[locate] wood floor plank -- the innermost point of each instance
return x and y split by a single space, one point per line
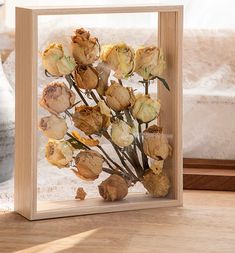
206 223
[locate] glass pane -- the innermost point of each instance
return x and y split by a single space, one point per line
98 120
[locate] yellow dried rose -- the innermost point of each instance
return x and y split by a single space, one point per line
57 98
53 127
145 109
113 188
156 185
149 62
121 133
89 165
86 77
120 58
55 62
59 153
118 97
104 73
85 48
90 119
155 143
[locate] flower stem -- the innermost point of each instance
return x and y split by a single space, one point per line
120 82
144 157
146 85
107 136
72 83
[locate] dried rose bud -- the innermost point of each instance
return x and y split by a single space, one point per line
113 188
57 98
155 143
156 185
55 62
59 153
149 62
120 58
89 165
104 73
157 166
145 109
81 194
53 127
90 119
85 48
86 77
121 133
118 97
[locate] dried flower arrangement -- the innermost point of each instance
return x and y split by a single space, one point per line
120 116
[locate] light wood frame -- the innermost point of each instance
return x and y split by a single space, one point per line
170 22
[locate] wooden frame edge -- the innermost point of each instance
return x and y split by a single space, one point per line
30 191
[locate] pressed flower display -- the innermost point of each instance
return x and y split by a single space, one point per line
107 119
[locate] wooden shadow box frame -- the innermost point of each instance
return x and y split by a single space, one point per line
170 22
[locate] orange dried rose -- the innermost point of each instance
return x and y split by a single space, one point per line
86 77
85 49
113 188
90 119
89 165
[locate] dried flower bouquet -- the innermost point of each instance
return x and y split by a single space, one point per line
96 75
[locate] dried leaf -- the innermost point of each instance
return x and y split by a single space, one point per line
85 141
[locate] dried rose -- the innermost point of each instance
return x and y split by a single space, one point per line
113 188
81 194
57 98
118 97
53 127
85 48
149 62
55 62
89 165
157 166
86 77
59 153
104 109
90 119
121 133
120 58
145 109
156 185
155 143
104 73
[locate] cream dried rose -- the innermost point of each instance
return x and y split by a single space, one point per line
121 133
57 98
120 58
55 62
85 48
118 97
90 119
155 143
113 188
89 165
156 185
53 127
145 109
149 62
86 77
59 153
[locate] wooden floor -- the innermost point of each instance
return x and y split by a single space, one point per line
206 223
